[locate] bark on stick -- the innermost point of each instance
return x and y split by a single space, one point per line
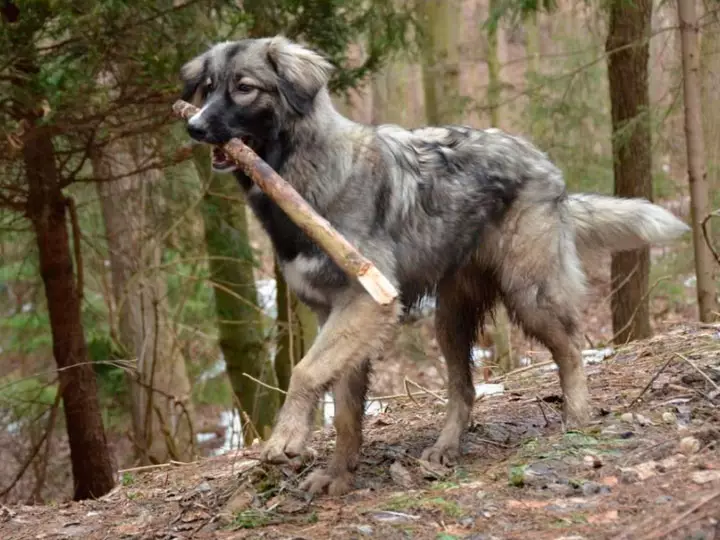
297 209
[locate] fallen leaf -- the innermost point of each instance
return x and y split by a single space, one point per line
240 500
400 475
605 517
527 504
609 481
703 477
432 471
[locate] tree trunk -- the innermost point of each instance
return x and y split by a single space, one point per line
440 54
494 91
160 387
710 69
628 51
501 329
699 196
532 72
91 461
240 318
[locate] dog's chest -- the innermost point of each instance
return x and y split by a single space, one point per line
303 275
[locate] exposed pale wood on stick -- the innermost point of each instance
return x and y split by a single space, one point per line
318 228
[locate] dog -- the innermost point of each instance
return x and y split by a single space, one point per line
469 216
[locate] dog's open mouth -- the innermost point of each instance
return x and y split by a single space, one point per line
220 161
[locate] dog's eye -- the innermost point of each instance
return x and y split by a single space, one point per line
244 88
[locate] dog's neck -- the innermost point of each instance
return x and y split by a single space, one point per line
322 132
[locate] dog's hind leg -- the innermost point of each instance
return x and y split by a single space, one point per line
545 308
357 330
456 324
349 394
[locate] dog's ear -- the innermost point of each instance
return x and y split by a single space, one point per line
301 72
192 74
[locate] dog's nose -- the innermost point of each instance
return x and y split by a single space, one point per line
197 132
197 128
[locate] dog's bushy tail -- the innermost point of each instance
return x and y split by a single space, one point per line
617 224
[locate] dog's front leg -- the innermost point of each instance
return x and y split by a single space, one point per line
356 331
349 394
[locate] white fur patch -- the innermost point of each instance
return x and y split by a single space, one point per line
197 120
296 275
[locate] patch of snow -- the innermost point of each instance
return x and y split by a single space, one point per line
489 389
595 356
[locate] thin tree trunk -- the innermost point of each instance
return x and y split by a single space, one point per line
532 28
239 316
91 461
441 51
628 51
160 388
494 91
710 69
502 329
699 196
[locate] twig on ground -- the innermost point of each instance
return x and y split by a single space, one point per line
144 468
426 390
678 522
407 391
250 423
521 370
649 384
542 410
700 371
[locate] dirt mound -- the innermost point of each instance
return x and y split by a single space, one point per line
647 467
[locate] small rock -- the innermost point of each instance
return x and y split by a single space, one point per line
669 418
203 488
593 488
365 530
703 477
467 522
627 417
400 475
643 420
663 499
689 445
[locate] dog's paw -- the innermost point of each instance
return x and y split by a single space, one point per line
576 417
323 480
441 455
284 447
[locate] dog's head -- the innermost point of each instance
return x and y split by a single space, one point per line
251 89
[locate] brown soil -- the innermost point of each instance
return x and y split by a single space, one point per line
655 474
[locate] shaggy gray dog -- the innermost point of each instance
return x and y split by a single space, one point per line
471 216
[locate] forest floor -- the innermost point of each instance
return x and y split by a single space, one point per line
648 466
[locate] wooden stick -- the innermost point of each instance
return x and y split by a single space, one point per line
318 228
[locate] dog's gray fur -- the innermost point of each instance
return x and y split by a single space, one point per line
472 216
